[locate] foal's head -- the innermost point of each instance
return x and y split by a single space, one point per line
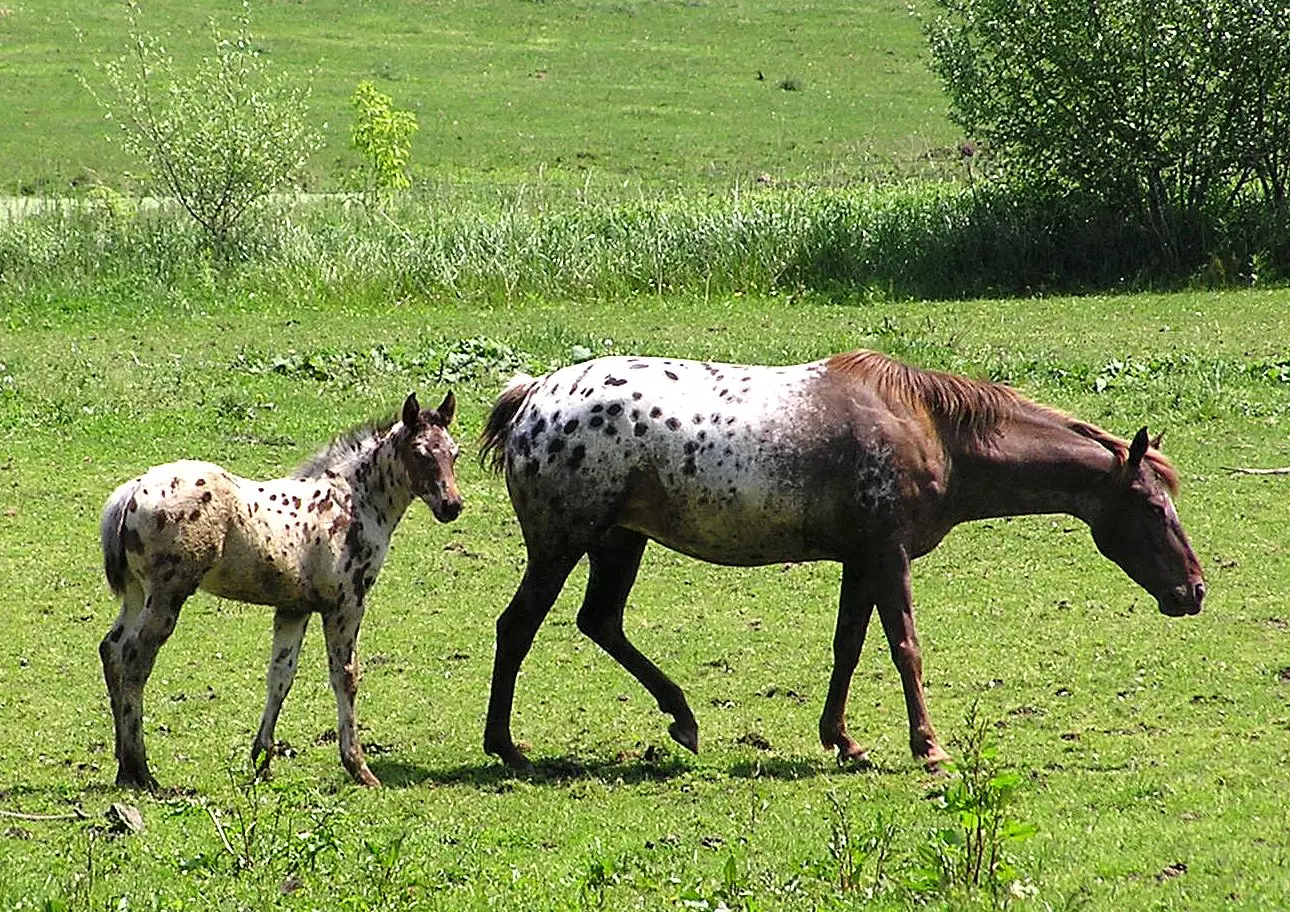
429 454
1139 529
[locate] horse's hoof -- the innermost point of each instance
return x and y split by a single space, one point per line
854 757
936 760
367 778
685 735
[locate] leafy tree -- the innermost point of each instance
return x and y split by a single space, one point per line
384 138
217 140
1170 109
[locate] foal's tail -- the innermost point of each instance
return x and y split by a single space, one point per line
110 536
492 442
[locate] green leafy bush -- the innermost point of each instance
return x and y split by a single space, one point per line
1171 110
217 140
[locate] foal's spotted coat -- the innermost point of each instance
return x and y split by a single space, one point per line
311 543
856 458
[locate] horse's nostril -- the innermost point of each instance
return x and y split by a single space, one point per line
1198 591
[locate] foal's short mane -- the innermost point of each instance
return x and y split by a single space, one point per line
342 446
973 408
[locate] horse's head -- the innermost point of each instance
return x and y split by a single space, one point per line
429 455
1138 528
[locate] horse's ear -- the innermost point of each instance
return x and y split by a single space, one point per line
447 408
1156 440
411 411
1138 449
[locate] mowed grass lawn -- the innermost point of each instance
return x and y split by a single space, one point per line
709 93
1153 751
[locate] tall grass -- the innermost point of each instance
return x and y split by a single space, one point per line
940 239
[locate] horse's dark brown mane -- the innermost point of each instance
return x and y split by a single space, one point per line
342 446
974 408
970 407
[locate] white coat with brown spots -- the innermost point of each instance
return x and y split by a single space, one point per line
856 458
311 543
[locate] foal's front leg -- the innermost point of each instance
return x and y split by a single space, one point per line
340 628
896 610
288 633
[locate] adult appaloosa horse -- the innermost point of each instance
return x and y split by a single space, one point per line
310 543
857 458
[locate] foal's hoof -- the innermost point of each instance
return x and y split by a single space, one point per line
140 780
685 735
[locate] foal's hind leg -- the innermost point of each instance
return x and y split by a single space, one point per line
138 653
110 656
855 608
288 633
614 563
340 627
544 577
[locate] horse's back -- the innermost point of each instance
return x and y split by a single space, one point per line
730 463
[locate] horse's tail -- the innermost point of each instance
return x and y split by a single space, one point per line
492 441
110 537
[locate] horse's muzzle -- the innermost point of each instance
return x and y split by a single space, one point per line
1183 600
447 510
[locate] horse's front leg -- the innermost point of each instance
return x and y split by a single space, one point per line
855 608
516 627
614 563
340 628
896 610
288 633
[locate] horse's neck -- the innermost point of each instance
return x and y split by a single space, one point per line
379 485
1036 465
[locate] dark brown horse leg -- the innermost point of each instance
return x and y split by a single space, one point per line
138 653
896 609
516 627
855 608
614 563
340 628
288 633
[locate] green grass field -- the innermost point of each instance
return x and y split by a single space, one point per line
576 164
1153 750
589 90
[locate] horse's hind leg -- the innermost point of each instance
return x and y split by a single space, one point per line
340 627
855 608
110 655
544 577
896 609
138 653
288 633
614 563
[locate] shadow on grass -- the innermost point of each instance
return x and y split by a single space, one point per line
490 774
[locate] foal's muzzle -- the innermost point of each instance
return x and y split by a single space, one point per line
446 510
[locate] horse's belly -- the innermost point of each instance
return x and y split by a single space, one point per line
737 525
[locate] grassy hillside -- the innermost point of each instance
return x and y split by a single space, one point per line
705 93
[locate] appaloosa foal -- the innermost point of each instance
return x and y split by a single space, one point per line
311 543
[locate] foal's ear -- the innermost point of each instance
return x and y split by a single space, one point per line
411 411
1138 448
447 408
1156 440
